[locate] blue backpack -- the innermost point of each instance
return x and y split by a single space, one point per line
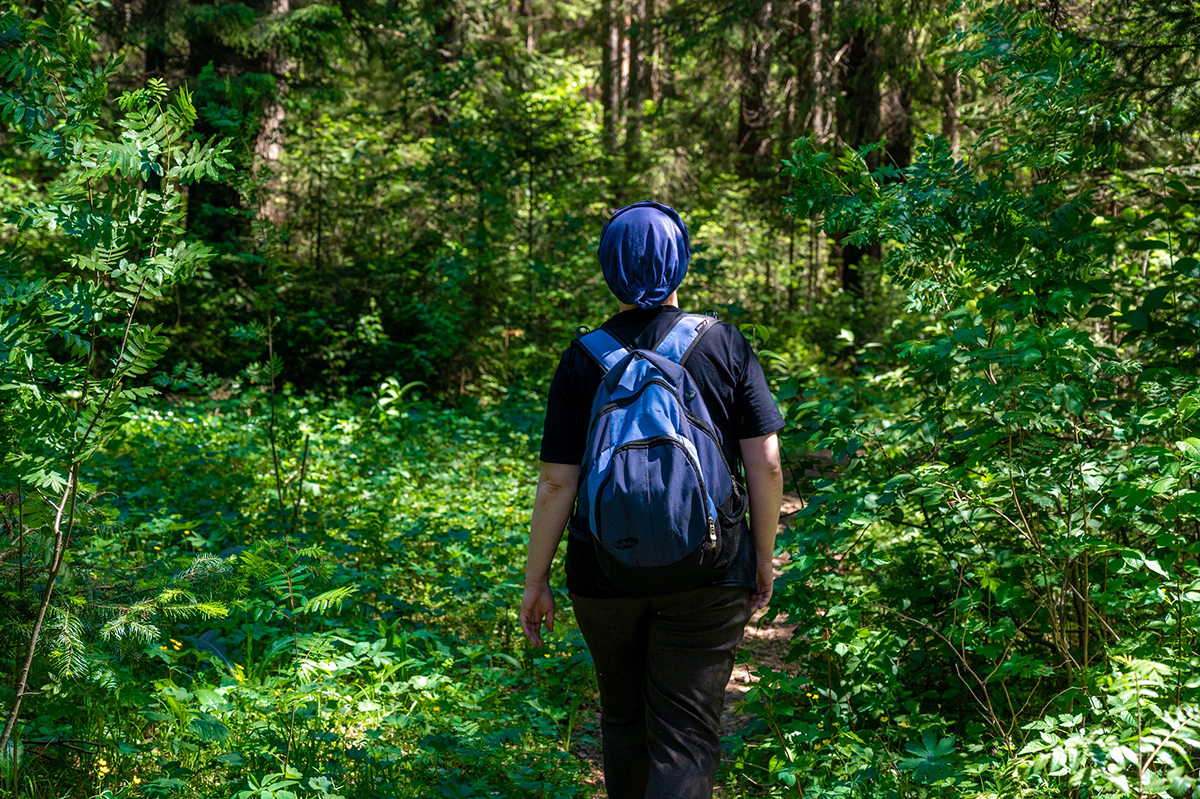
656 493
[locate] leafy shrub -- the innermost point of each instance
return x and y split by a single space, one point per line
370 645
409 676
1001 564
74 353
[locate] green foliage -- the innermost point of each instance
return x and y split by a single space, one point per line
72 346
994 579
430 201
1009 510
60 330
931 759
373 646
1143 743
436 201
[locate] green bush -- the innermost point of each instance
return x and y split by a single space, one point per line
374 649
996 580
74 352
264 595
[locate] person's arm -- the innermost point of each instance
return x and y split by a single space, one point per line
552 506
764 485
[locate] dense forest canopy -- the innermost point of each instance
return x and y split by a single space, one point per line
284 283
410 183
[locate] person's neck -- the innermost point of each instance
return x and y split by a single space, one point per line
672 300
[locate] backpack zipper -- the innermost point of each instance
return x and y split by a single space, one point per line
621 403
691 417
647 443
705 428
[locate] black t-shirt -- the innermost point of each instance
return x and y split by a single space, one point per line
728 377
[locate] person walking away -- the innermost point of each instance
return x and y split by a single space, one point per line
659 431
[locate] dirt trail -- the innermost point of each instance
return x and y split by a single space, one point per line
765 644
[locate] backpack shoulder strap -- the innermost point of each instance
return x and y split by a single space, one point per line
677 345
603 348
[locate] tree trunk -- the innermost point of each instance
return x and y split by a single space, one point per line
858 125
859 115
819 115
445 35
801 44
754 104
623 22
610 72
653 70
155 16
953 95
213 206
798 94
527 16
820 120
268 145
639 38
898 124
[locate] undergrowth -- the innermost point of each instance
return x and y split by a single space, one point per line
370 646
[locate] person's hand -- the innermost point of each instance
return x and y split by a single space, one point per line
765 578
537 607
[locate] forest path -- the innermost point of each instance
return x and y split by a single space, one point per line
765 643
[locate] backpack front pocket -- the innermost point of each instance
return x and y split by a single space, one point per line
652 509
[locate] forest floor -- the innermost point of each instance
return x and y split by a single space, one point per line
406 513
765 643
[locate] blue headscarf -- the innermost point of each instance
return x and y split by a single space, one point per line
644 253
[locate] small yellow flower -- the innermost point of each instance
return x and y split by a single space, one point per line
904 724
176 644
137 780
884 719
157 547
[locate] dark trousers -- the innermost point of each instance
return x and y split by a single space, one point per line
663 664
